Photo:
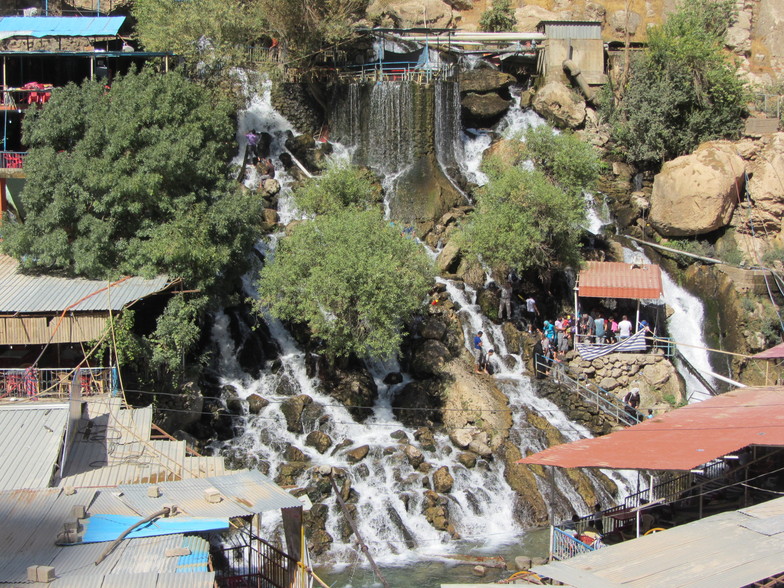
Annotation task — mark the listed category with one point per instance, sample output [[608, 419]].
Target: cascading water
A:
[[685, 327]]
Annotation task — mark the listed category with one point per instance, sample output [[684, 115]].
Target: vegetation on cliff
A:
[[134, 180], [681, 91], [338, 187], [531, 218], [350, 276]]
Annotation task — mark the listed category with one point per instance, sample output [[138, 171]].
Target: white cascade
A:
[[685, 328]]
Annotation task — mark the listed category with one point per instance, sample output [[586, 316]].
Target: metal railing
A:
[[605, 401], [12, 159], [259, 564], [55, 383], [771, 104], [398, 72], [565, 545]]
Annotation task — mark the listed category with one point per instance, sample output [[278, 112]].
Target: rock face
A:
[[560, 105], [623, 21], [766, 187], [485, 80], [484, 106], [696, 194]]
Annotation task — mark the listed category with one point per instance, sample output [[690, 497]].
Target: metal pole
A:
[[362, 545]]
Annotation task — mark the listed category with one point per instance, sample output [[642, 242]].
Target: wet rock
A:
[[428, 356], [352, 385], [538, 561], [467, 459], [358, 454], [485, 107], [292, 409], [425, 467], [269, 188], [393, 378], [530, 505], [362, 471], [449, 258], [320, 542], [462, 437], [293, 453], [443, 480], [411, 403], [342, 445], [426, 438], [289, 472], [480, 571], [399, 435], [484, 80], [286, 386], [522, 563], [480, 448], [432, 328], [270, 216], [313, 416], [414, 456], [560, 105], [186, 407], [319, 440], [256, 403]]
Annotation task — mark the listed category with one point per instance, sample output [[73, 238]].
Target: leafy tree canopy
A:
[[682, 90], [525, 221], [499, 17], [215, 33], [352, 278], [132, 181], [339, 186], [572, 164]]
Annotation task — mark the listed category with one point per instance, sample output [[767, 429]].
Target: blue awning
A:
[[60, 26], [107, 527]]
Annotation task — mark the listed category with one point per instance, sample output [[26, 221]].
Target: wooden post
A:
[[4, 203]]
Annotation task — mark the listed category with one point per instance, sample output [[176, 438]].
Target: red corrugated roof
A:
[[681, 439], [776, 352], [606, 279]]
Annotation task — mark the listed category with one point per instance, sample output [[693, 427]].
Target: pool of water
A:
[[432, 573]]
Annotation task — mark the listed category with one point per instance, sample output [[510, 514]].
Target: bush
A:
[[339, 187], [681, 91], [352, 278], [498, 18]]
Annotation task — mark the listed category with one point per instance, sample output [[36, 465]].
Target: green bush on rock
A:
[[352, 278]]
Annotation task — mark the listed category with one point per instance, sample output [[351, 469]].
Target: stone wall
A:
[[652, 373]]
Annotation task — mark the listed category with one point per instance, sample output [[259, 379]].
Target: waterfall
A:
[[685, 327]]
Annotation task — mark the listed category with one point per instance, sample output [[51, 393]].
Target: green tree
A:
[[524, 221], [570, 163], [212, 35], [339, 186], [681, 91], [500, 17], [132, 181], [352, 278]]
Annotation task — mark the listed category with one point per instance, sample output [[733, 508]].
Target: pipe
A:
[[573, 70], [161, 513]]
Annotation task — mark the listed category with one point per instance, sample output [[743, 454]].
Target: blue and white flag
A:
[[634, 343]]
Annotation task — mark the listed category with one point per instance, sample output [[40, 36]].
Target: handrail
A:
[[608, 402], [12, 159], [565, 545], [36, 383]]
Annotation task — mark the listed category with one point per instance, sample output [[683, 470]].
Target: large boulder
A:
[[766, 187], [529, 16], [622, 21], [696, 194], [433, 13], [485, 106], [560, 105], [429, 357], [485, 80]]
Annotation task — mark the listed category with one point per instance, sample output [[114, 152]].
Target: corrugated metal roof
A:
[[775, 352], [244, 493], [715, 551], [683, 438], [205, 466], [606, 279], [191, 580], [60, 26], [34, 293], [30, 441], [199, 557], [101, 527], [570, 29]]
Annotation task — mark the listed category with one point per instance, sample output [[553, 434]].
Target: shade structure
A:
[[60, 26], [607, 279], [683, 438], [775, 352]]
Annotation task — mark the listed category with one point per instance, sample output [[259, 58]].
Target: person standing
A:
[[624, 328], [599, 327], [632, 401], [506, 302], [253, 144], [531, 309], [478, 352], [561, 326]]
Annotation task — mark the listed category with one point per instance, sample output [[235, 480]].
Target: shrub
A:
[[498, 18]]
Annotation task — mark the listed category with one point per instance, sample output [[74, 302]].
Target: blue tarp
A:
[[60, 26], [103, 527]]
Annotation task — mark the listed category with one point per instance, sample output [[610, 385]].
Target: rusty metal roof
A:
[[683, 438], [31, 438], [607, 279], [775, 352], [242, 493], [25, 293]]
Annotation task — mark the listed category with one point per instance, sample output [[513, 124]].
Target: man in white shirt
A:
[[624, 328]]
